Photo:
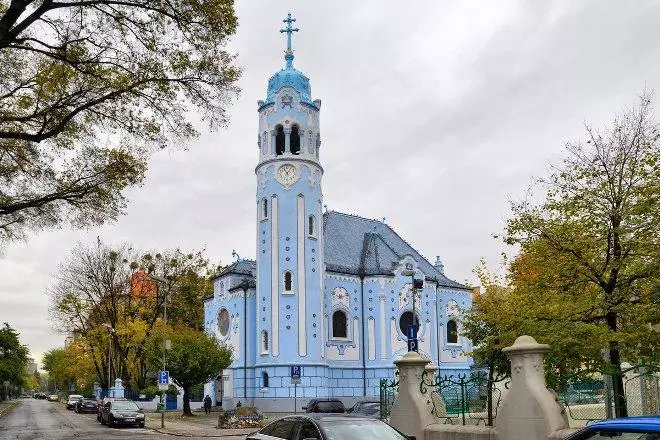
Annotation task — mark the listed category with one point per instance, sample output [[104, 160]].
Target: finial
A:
[[289, 30], [325, 207], [235, 255], [384, 220]]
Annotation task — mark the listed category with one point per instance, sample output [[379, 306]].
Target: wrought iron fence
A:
[[591, 394], [388, 391], [464, 397]]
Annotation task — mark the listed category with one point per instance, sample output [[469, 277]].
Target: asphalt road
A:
[[42, 420]]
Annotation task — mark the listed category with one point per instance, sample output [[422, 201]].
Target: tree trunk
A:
[[620, 408], [186, 401], [490, 384]]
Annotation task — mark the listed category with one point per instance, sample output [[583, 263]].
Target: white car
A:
[[71, 401]]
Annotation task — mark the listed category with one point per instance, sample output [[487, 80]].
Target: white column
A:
[[275, 278], [383, 320], [411, 412], [302, 302]]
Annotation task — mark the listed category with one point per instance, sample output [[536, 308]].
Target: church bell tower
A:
[[289, 219]]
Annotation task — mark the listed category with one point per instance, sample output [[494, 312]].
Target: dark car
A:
[[368, 408], [625, 428], [86, 405], [325, 406], [122, 412], [101, 403], [328, 427], [71, 400]]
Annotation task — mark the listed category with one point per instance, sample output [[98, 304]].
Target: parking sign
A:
[[163, 377], [296, 371]]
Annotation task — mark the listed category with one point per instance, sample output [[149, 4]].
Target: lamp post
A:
[[111, 331], [166, 282], [415, 283]]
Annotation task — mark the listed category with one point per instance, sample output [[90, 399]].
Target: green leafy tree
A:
[[589, 262], [88, 89], [13, 358], [194, 358]]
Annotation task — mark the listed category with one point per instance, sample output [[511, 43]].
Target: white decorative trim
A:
[[371, 336], [383, 349], [302, 299], [275, 276], [338, 277]]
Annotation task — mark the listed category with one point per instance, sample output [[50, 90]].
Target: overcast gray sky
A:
[[454, 106]]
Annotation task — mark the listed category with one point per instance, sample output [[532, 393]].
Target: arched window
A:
[[405, 320], [287, 281], [223, 322], [264, 208], [264, 342], [452, 332], [264, 379], [279, 140], [339, 324], [311, 226], [295, 140]]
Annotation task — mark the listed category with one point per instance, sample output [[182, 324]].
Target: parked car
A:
[[325, 406], [625, 428], [101, 403], [368, 408], [53, 398], [71, 400], [122, 412], [87, 405], [328, 427]]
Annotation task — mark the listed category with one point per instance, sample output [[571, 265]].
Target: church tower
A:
[[289, 220]]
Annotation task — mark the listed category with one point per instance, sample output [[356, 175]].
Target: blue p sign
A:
[[163, 377], [296, 371]]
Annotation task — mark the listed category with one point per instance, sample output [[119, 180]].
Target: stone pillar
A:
[[529, 410], [436, 402], [411, 413], [117, 390]]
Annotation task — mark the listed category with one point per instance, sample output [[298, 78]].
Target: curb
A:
[[180, 434], [8, 408]]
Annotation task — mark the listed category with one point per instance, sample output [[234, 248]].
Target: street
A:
[[42, 420]]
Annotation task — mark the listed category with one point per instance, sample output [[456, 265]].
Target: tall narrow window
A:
[[264, 379], [264, 342], [279, 140], [295, 140], [287, 281], [311, 226], [264, 208], [452, 332], [339, 324]]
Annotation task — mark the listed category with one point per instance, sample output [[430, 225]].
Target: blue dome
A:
[[289, 77]]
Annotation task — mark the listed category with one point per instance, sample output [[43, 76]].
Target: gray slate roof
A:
[[239, 267], [356, 244]]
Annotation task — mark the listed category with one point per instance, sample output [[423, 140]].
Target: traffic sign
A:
[[412, 331], [295, 380], [163, 377], [296, 371], [412, 344]]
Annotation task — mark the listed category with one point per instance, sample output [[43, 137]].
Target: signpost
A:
[[296, 372]]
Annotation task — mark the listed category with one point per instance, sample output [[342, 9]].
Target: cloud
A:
[[434, 116]]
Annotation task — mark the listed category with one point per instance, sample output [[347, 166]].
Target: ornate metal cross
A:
[[289, 30]]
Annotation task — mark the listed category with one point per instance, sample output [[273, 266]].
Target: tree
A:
[[71, 366], [88, 89], [100, 287], [195, 358], [590, 250], [13, 357]]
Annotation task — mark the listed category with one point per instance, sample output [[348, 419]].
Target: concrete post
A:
[[117, 390], [529, 410], [411, 413]]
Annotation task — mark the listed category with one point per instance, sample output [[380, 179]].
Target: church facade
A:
[[328, 292]]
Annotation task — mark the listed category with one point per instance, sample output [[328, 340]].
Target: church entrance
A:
[[219, 389]]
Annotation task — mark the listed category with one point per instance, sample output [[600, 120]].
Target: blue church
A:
[[329, 292]]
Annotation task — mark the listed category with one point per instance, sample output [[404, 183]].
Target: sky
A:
[[454, 108]]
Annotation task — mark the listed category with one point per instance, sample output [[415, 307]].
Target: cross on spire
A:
[[289, 31]]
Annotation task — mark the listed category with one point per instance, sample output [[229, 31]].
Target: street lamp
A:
[[416, 283], [166, 282], [111, 331]]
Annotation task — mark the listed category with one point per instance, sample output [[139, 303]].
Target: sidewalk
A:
[[200, 425], [7, 405]]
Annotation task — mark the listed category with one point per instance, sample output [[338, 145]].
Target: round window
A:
[[223, 322], [405, 320]]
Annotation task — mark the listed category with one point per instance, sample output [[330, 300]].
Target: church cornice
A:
[[288, 158]]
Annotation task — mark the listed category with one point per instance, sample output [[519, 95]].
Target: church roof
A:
[[356, 244], [239, 267]]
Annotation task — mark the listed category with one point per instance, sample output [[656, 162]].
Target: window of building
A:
[[405, 320], [311, 226], [223, 322], [264, 209], [279, 140], [264, 379], [264, 342], [452, 332], [287, 281], [295, 140], [339, 324]]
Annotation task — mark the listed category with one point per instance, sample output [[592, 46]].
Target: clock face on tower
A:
[[287, 174]]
